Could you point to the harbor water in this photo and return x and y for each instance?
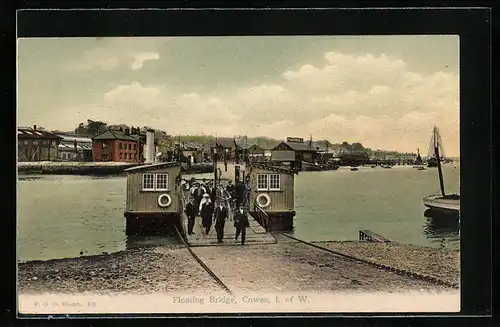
(63, 216)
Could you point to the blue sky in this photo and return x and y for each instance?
(384, 91)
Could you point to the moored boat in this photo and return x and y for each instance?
(448, 203)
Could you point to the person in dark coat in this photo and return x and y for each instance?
(221, 214)
(239, 191)
(230, 188)
(241, 223)
(206, 212)
(191, 213)
(197, 193)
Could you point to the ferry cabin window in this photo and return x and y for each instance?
(268, 182)
(274, 182)
(148, 182)
(161, 182)
(262, 182)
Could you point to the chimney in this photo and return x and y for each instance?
(34, 127)
(127, 132)
(150, 146)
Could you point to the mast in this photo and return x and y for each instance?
(440, 172)
(215, 160)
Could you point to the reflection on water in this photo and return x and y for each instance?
(440, 227)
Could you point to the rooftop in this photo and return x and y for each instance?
(225, 142)
(30, 133)
(295, 146)
(146, 167)
(115, 135)
(271, 167)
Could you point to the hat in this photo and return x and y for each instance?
(206, 195)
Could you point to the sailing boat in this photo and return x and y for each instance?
(446, 203)
(432, 160)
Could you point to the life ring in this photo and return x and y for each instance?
(265, 196)
(160, 198)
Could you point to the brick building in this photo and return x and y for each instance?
(117, 146)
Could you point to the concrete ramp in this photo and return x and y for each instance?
(255, 234)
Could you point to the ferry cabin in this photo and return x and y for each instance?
(272, 191)
(153, 200)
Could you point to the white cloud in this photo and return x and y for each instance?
(110, 53)
(140, 58)
(375, 100)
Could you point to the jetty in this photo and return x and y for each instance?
(368, 235)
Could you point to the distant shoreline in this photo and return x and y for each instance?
(74, 168)
(85, 168)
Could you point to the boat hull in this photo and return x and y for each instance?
(443, 204)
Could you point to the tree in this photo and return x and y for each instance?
(92, 128)
(358, 147)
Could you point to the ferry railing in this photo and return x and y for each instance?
(262, 216)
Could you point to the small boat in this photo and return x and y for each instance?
(386, 166)
(421, 168)
(354, 169)
(310, 166)
(374, 166)
(446, 203)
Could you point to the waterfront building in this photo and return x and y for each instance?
(303, 151)
(75, 148)
(36, 145)
(117, 146)
(224, 147)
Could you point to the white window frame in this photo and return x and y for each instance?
(279, 182)
(156, 182)
(143, 177)
(267, 182)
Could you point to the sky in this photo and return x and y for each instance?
(386, 92)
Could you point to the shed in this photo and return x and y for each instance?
(153, 189)
(272, 188)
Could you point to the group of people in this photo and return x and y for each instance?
(201, 203)
(240, 192)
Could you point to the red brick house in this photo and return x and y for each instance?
(117, 146)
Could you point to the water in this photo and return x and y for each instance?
(61, 216)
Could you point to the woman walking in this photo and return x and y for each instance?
(206, 212)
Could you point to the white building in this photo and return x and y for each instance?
(75, 148)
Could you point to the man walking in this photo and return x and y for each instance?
(241, 223)
(221, 214)
(191, 213)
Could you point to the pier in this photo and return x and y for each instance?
(368, 235)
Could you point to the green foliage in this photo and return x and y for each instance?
(91, 128)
